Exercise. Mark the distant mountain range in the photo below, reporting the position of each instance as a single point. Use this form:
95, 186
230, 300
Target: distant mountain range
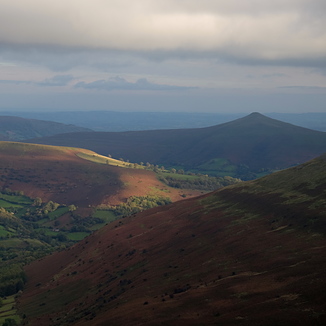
245, 148
131, 121
16, 129
248, 254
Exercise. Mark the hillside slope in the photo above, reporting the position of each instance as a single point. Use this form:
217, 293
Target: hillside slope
249, 254
250, 144
16, 129
61, 175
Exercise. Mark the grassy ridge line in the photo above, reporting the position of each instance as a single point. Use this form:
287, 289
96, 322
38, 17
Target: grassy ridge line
17, 148
80, 152
96, 158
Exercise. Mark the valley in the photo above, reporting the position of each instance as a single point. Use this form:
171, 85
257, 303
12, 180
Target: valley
88, 238
162, 163
52, 197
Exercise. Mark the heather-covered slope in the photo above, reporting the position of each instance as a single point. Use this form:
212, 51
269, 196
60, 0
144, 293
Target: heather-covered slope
61, 175
238, 148
249, 254
16, 129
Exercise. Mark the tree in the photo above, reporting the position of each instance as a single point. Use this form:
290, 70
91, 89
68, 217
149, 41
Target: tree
9, 322
37, 201
72, 208
51, 206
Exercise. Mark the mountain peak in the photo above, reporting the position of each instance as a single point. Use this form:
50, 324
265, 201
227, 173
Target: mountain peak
257, 117
255, 114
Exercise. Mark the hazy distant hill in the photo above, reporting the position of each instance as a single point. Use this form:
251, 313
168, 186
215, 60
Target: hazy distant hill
239, 148
15, 128
129, 121
249, 254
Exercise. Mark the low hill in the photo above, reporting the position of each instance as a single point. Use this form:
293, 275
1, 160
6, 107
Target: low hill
248, 254
16, 129
241, 148
70, 176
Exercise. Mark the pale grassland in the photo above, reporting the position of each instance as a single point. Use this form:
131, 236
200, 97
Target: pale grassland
96, 158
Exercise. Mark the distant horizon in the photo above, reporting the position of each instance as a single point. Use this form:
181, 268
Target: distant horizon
17, 110
110, 120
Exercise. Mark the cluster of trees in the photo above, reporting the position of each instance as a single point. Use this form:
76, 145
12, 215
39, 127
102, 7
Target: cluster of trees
83, 224
8, 191
203, 182
136, 204
12, 279
9, 322
39, 210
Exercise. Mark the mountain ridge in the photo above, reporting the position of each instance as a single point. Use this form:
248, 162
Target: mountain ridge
124, 121
248, 145
17, 129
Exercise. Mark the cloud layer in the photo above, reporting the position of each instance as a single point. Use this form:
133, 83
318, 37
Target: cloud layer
279, 30
119, 83
227, 54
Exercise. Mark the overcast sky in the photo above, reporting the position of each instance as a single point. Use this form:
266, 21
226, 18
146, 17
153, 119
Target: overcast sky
163, 55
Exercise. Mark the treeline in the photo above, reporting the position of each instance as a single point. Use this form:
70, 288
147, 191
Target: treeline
136, 204
173, 178
12, 279
203, 182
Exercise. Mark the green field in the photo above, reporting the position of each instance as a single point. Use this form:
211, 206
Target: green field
77, 236
16, 199
6, 204
107, 217
58, 212
4, 232
8, 310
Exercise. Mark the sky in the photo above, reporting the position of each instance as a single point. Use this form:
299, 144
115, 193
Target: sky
216, 56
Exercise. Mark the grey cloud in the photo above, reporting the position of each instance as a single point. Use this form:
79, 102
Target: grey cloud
119, 83
280, 32
15, 82
303, 87
58, 80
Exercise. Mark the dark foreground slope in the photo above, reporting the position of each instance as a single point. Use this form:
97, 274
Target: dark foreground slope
251, 144
16, 129
250, 254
